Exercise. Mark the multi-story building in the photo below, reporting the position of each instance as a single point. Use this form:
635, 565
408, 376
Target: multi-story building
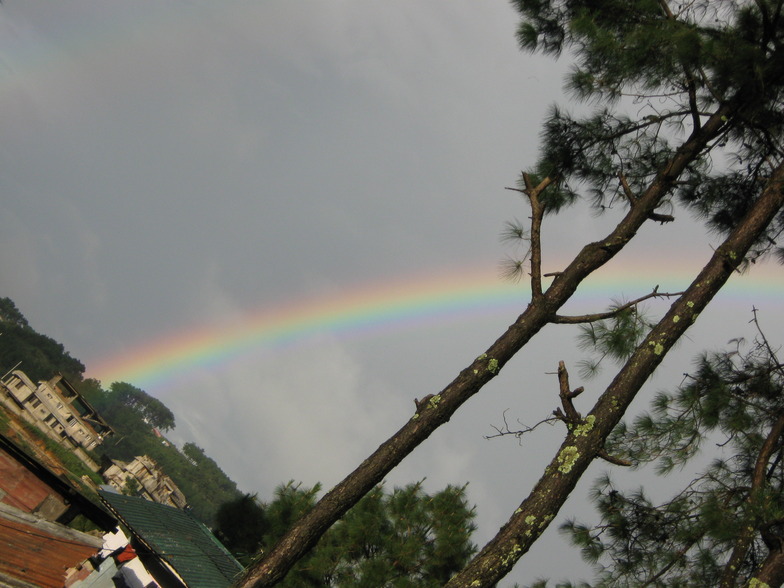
56, 408
143, 477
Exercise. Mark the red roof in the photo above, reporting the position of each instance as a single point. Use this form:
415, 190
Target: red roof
41, 552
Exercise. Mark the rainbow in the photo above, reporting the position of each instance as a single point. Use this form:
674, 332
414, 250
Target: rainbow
415, 302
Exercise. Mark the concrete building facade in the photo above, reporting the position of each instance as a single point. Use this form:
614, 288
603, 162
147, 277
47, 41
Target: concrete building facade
143, 477
56, 408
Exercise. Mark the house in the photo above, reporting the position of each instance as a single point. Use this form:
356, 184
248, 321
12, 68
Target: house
177, 549
37, 548
35, 552
143, 477
31, 487
38, 552
57, 409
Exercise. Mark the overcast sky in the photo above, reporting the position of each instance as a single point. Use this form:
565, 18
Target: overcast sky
174, 165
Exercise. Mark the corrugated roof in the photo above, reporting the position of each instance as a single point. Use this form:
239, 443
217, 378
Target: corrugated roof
79, 503
176, 536
39, 552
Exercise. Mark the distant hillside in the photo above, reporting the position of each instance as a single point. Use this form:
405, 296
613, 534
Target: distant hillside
139, 419
41, 356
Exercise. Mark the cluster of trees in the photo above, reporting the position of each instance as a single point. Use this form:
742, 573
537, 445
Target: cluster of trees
405, 537
42, 356
685, 115
152, 410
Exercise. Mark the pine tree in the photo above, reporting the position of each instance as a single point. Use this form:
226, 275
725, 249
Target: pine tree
674, 88
726, 526
405, 537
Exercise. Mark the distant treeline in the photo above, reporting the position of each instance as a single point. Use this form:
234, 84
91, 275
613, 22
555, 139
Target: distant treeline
131, 412
39, 356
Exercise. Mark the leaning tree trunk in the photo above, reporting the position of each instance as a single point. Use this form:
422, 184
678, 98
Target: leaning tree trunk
586, 437
437, 409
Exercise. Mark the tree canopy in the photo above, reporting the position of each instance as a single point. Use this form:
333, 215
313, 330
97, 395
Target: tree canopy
405, 537
152, 410
39, 356
684, 115
725, 527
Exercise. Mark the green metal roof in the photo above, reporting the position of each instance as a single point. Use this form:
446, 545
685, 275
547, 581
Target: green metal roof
176, 536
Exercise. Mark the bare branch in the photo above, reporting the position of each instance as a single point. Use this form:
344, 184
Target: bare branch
583, 443
422, 404
566, 395
505, 431
537, 213
535, 252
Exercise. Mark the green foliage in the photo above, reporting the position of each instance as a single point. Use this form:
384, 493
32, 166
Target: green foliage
401, 538
614, 338
131, 487
659, 69
39, 356
11, 315
734, 399
151, 410
239, 525
74, 466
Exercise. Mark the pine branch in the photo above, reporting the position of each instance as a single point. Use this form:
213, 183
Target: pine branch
652, 120
590, 318
691, 84
675, 559
615, 460
758, 481
654, 216
775, 360
537, 214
